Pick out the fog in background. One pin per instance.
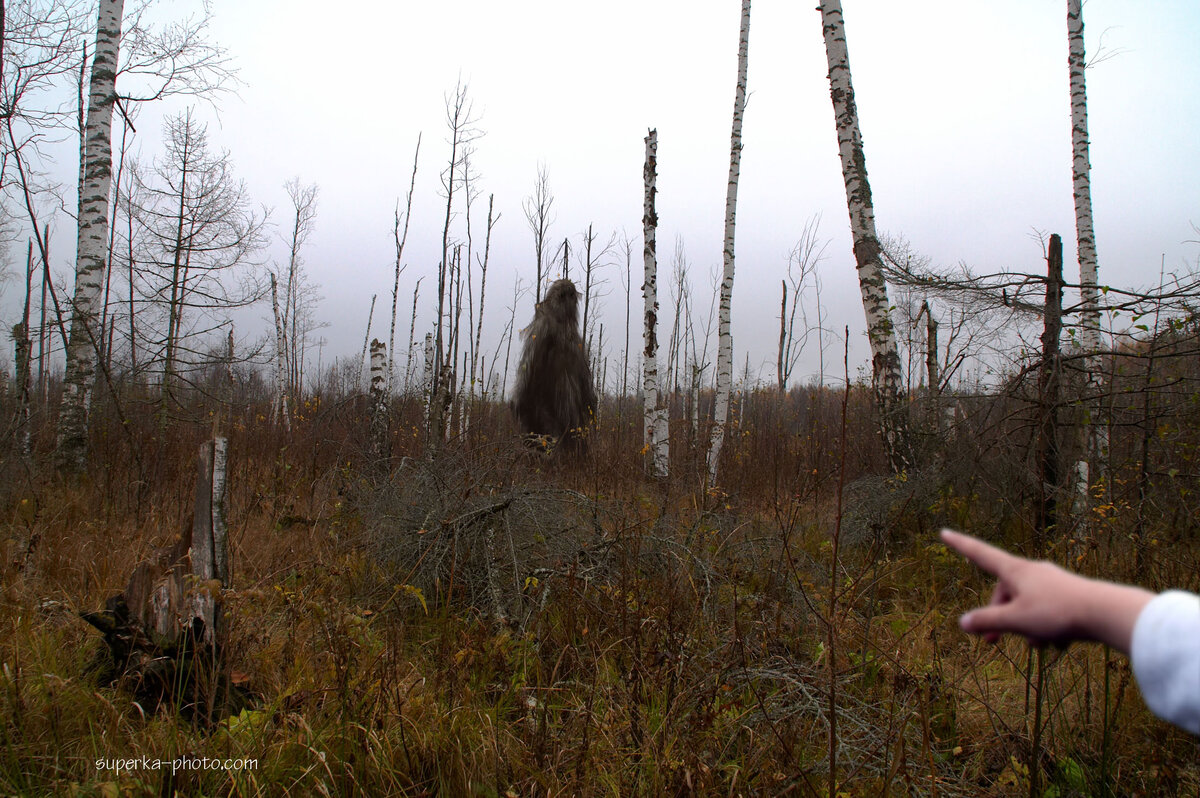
(964, 108)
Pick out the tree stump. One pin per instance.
(165, 633)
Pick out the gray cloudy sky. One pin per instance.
(963, 104)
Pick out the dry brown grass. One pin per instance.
(669, 640)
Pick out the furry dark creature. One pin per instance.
(554, 397)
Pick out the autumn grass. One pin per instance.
(679, 646)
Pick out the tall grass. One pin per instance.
(656, 638)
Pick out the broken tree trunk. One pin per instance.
(380, 439)
(165, 633)
(1049, 378)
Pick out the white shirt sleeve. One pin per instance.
(1166, 657)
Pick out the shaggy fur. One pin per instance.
(554, 396)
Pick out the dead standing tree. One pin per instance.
(724, 334)
(803, 260)
(293, 319)
(401, 238)
(537, 214)
(299, 293)
(655, 438)
(1049, 382)
(461, 122)
(885, 358)
(197, 229)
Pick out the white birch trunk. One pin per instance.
(92, 244)
(885, 360)
(724, 334)
(427, 378)
(220, 521)
(379, 403)
(279, 408)
(1081, 179)
(209, 551)
(1097, 442)
(654, 436)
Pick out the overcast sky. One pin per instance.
(964, 108)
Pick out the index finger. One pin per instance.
(984, 555)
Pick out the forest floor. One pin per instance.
(493, 622)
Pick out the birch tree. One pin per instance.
(655, 425)
(724, 334)
(1081, 179)
(279, 407)
(380, 449)
(885, 359)
(92, 243)
(38, 56)
(1085, 234)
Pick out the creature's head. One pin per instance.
(561, 303)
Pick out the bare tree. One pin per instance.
(677, 347)
(885, 360)
(461, 123)
(199, 240)
(507, 338)
(627, 284)
(593, 256)
(412, 329)
(724, 334)
(38, 46)
(803, 260)
(171, 59)
(159, 62)
(299, 293)
(401, 238)
(483, 267)
(538, 214)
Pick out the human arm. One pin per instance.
(1045, 603)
